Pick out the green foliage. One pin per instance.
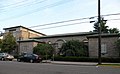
(9, 43)
(113, 30)
(43, 49)
(73, 48)
(104, 28)
(86, 59)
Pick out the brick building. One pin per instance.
(23, 35)
(28, 39)
(108, 48)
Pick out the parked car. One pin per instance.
(6, 56)
(27, 57)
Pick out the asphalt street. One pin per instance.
(11, 67)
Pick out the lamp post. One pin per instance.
(53, 46)
(99, 31)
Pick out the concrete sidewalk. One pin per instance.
(79, 63)
(74, 63)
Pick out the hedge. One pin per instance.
(86, 59)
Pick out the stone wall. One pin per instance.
(108, 42)
(26, 34)
(58, 41)
(53, 40)
(27, 47)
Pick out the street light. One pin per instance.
(53, 46)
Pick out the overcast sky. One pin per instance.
(30, 13)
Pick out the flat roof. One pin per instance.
(30, 40)
(23, 27)
(66, 35)
(104, 35)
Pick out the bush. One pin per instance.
(74, 48)
(43, 49)
(85, 59)
(44, 57)
(16, 56)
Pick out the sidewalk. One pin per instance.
(74, 63)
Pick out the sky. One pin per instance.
(34, 13)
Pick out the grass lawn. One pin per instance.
(113, 65)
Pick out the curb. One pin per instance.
(75, 63)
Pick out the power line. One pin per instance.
(13, 4)
(73, 20)
(111, 14)
(25, 5)
(58, 22)
(63, 25)
(47, 6)
(42, 8)
(72, 24)
(113, 19)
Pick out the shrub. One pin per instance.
(85, 59)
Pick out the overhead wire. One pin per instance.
(24, 5)
(113, 19)
(58, 22)
(56, 4)
(13, 4)
(47, 6)
(72, 24)
(39, 9)
(72, 20)
(63, 25)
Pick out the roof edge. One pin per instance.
(30, 40)
(25, 28)
(66, 35)
(104, 35)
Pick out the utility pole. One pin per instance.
(99, 35)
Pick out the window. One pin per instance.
(103, 48)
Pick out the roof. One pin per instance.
(103, 35)
(24, 28)
(30, 40)
(66, 35)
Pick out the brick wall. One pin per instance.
(27, 47)
(110, 47)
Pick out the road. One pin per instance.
(11, 67)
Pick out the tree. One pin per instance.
(104, 28)
(43, 49)
(73, 48)
(113, 30)
(9, 43)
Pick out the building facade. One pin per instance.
(108, 47)
(27, 45)
(27, 39)
(22, 33)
